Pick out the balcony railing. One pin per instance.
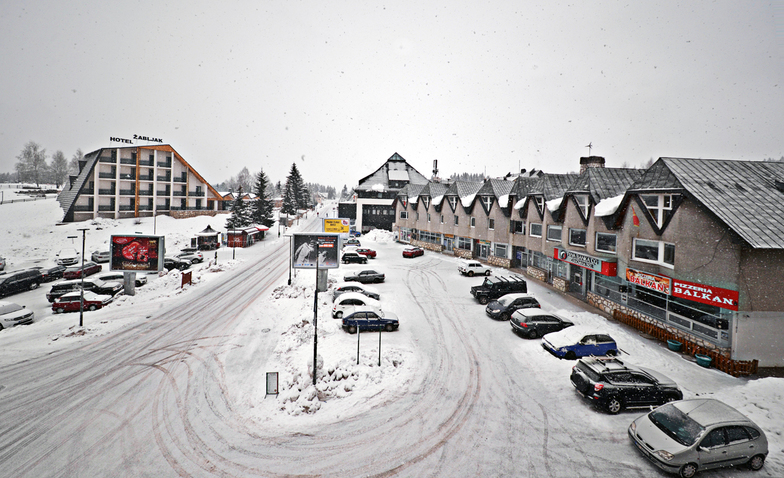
(180, 179)
(127, 161)
(148, 162)
(164, 164)
(109, 207)
(127, 192)
(126, 207)
(148, 177)
(165, 179)
(145, 193)
(178, 193)
(88, 191)
(163, 193)
(127, 176)
(104, 159)
(196, 193)
(88, 207)
(162, 207)
(109, 175)
(107, 192)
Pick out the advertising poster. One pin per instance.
(336, 226)
(137, 253)
(316, 250)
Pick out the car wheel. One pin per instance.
(352, 329)
(756, 462)
(533, 334)
(688, 470)
(194, 261)
(470, 273)
(611, 353)
(483, 300)
(339, 314)
(92, 307)
(487, 272)
(59, 310)
(34, 285)
(503, 316)
(614, 405)
(570, 355)
(390, 328)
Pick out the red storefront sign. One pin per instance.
(587, 262)
(705, 294)
(650, 281)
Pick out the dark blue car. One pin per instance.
(579, 341)
(364, 319)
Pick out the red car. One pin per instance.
(70, 302)
(75, 272)
(366, 252)
(413, 252)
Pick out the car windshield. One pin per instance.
(676, 424)
(8, 308)
(505, 301)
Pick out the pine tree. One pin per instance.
(261, 211)
(292, 195)
(239, 213)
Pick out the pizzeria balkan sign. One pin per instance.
(704, 294)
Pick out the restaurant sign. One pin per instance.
(587, 262)
(649, 281)
(716, 296)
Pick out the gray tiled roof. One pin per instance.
(603, 183)
(381, 175)
(553, 186)
(496, 187)
(747, 195)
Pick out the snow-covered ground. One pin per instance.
(445, 341)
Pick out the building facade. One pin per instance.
(137, 181)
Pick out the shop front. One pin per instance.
(581, 270)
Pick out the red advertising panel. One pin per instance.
(653, 282)
(724, 298)
(137, 253)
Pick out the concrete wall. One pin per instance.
(759, 335)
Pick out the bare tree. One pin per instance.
(31, 163)
(59, 168)
(73, 165)
(245, 180)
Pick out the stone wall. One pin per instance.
(560, 284)
(536, 273)
(608, 306)
(187, 214)
(500, 261)
(464, 253)
(427, 245)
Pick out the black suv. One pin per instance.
(495, 287)
(13, 282)
(614, 385)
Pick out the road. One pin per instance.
(153, 399)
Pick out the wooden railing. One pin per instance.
(719, 361)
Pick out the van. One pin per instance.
(13, 282)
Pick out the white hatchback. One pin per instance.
(352, 299)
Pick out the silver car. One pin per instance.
(688, 436)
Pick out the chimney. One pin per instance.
(591, 162)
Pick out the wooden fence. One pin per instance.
(719, 361)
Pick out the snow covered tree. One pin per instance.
(261, 210)
(239, 213)
(293, 197)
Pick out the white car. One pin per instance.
(345, 287)
(345, 301)
(14, 314)
(68, 257)
(191, 255)
(473, 268)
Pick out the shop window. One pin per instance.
(536, 230)
(500, 250)
(606, 242)
(658, 205)
(554, 233)
(464, 243)
(577, 237)
(491, 224)
(657, 252)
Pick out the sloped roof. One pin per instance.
(748, 196)
(603, 183)
(394, 169)
(436, 191)
(553, 186)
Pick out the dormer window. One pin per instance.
(658, 206)
(539, 203)
(426, 201)
(583, 203)
(453, 202)
(487, 201)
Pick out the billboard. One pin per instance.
(340, 225)
(314, 250)
(134, 252)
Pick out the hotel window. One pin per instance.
(491, 224)
(658, 205)
(473, 221)
(536, 230)
(456, 220)
(606, 242)
(577, 237)
(582, 203)
(554, 233)
(656, 252)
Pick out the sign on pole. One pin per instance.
(339, 226)
(134, 252)
(316, 251)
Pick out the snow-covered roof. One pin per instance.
(607, 207)
(554, 204)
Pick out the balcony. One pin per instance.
(107, 192)
(127, 192)
(127, 161)
(164, 164)
(164, 179)
(145, 193)
(163, 193)
(179, 193)
(148, 162)
(108, 160)
(196, 193)
(109, 175)
(109, 207)
(180, 180)
(148, 177)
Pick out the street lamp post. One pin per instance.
(81, 287)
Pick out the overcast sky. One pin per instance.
(340, 86)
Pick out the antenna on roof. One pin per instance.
(435, 169)
(589, 146)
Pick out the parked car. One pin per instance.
(352, 241)
(12, 314)
(101, 256)
(50, 273)
(366, 277)
(92, 284)
(71, 302)
(140, 280)
(344, 287)
(369, 253)
(361, 318)
(534, 323)
(191, 254)
(613, 384)
(18, 281)
(579, 341)
(2, 263)
(170, 263)
(348, 300)
(494, 287)
(504, 307)
(75, 272)
(67, 257)
(688, 436)
(413, 252)
(352, 257)
(472, 268)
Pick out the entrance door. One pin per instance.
(448, 244)
(483, 250)
(577, 280)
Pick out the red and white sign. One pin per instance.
(587, 262)
(724, 298)
(650, 281)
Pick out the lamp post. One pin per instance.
(81, 287)
(233, 239)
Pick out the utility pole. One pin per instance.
(81, 292)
